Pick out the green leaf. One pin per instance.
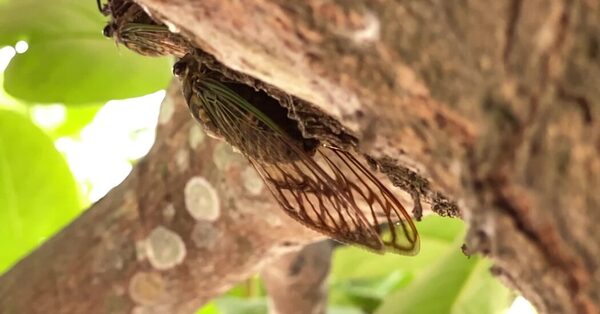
(233, 305)
(69, 61)
(366, 293)
(209, 308)
(437, 235)
(343, 310)
(455, 284)
(77, 117)
(363, 279)
(443, 229)
(38, 194)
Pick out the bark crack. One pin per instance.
(513, 19)
(582, 103)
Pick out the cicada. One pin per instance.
(321, 185)
(131, 26)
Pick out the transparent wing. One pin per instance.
(364, 190)
(310, 196)
(328, 190)
(151, 40)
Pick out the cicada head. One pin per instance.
(180, 68)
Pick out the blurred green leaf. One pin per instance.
(375, 288)
(69, 61)
(437, 228)
(454, 284)
(362, 279)
(366, 293)
(209, 308)
(247, 289)
(77, 117)
(38, 194)
(343, 310)
(437, 235)
(233, 305)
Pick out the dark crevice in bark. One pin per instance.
(513, 19)
(580, 101)
(567, 264)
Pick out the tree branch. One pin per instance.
(297, 281)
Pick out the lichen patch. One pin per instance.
(146, 288)
(166, 111)
(201, 199)
(273, 220)
(140, 250)
(164, 248)
(182, 160)
(196, 136)
(252, 181)
(370, 32)
(118, 263)
(168, 212)
(224, 156)
(204, 235)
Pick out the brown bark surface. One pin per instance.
(492, 103)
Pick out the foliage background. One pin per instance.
(59, 89)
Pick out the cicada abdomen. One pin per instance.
(323, 186)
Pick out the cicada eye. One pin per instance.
(179, 68)
(108, 30)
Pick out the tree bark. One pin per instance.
(490, 103)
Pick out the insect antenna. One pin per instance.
(104, 9)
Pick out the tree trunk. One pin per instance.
(492, 104)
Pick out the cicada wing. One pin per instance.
(325, 191)
(366, 191)
(152, 40)
(307, 194)
(334, 193)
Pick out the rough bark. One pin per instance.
(491, 103)
(190, 221)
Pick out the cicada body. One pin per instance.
(132, 27)
(320, 185)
